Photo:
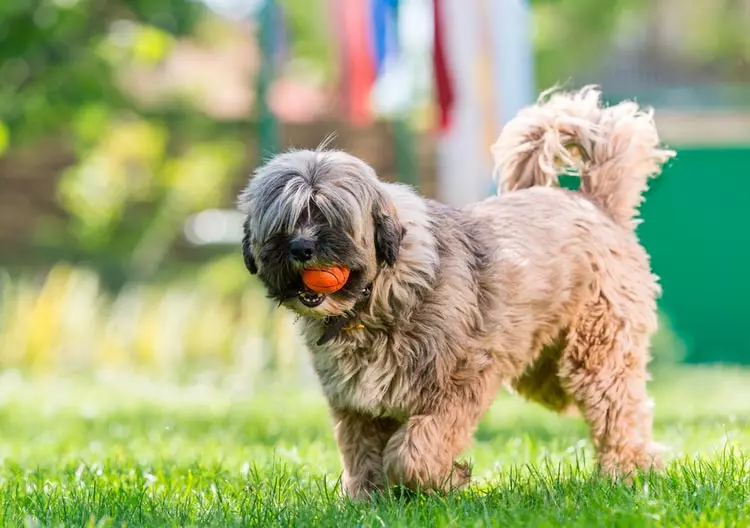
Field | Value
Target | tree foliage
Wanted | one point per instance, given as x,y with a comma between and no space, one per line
140,171
573,34
53,62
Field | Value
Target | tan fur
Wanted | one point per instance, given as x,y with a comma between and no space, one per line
619,144
541,288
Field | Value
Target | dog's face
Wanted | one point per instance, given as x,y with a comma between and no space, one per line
316,209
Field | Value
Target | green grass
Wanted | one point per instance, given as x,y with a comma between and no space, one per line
124,450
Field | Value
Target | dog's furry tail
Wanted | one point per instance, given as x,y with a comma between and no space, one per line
615,149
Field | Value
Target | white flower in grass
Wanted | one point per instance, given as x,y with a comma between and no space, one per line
150,478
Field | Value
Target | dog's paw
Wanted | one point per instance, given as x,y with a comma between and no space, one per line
622,465
362,488
362,493
460,476
457,476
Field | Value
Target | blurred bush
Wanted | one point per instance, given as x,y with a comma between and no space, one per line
212,321
130,165
141,167
56,56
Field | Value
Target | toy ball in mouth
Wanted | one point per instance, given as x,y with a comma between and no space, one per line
325,280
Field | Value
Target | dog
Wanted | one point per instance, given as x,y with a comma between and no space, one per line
540,288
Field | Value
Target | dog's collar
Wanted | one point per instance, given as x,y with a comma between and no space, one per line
334,325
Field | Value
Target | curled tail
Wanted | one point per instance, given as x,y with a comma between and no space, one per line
616,149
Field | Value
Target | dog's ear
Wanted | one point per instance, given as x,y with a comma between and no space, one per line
388,234
247,253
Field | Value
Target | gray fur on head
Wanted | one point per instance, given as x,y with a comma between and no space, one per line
330,198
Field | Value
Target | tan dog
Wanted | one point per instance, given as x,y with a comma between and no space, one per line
541,288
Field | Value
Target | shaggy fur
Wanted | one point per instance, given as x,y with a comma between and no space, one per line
539,288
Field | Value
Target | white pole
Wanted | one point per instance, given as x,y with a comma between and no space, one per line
512,57
460,161
463,163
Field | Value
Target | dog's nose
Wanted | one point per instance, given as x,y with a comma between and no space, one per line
301,249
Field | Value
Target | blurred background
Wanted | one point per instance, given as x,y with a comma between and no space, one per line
127,127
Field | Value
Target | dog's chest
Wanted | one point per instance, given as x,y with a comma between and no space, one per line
367,379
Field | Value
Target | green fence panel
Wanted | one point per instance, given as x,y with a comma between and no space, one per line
697,229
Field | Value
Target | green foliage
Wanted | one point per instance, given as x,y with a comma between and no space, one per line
4,138
718,34
51,60
310,27
130,164
572,34
124,450
140,171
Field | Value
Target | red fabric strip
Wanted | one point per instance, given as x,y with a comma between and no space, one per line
360,64
443,84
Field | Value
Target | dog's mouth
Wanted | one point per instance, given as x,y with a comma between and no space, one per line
310,298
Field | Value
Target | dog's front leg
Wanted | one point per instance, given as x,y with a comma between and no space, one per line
361,440
421,454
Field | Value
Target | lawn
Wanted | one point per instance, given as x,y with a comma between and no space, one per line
126,450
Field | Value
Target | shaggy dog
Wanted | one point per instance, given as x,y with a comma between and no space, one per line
539,288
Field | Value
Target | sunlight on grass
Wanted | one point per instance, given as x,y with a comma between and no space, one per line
126,449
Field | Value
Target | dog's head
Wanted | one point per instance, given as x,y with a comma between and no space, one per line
317,208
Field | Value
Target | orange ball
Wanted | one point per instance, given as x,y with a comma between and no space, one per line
325,280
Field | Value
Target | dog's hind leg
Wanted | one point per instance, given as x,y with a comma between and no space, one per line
604,368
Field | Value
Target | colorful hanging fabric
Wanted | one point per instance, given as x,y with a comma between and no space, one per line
337,28
443,83
357,64
384,30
